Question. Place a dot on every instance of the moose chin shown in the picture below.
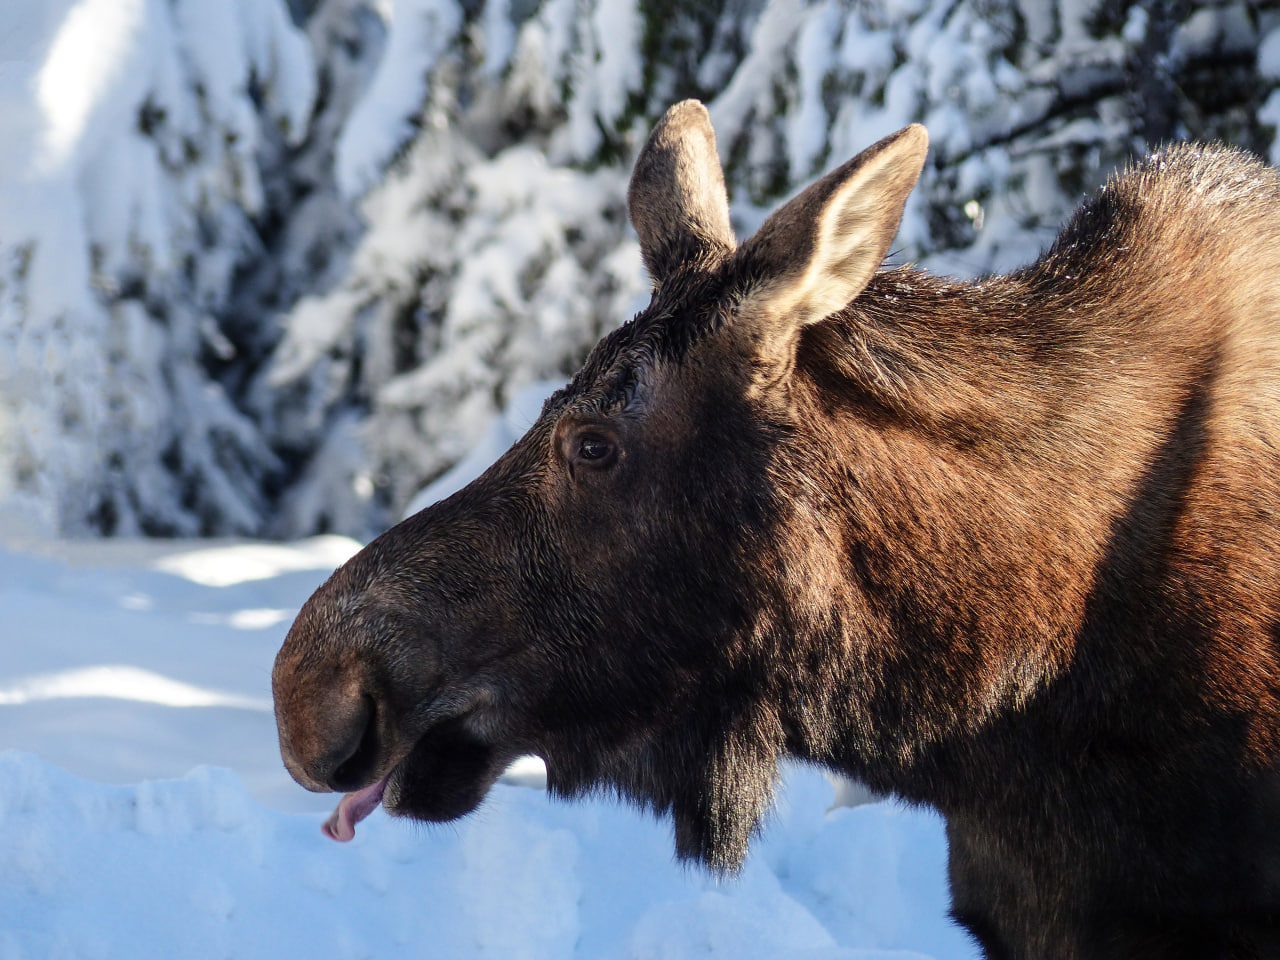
(1009, 548)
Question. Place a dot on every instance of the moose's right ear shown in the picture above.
(677, 199)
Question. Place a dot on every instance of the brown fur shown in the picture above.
(1007, 548)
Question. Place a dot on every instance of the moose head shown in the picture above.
(623, 591)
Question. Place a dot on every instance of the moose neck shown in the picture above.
(985, 477)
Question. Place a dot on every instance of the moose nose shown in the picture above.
(329, 733)
(350, 762)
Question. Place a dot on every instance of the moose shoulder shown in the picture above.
(1009, 548)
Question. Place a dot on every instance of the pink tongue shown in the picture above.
(353, 808)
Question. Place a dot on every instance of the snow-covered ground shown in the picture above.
(144, 811)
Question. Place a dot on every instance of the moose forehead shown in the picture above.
(690, 306)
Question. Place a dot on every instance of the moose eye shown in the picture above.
(587, 446)
(595, 450)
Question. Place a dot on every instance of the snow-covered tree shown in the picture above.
(146, 133)
(263, 274)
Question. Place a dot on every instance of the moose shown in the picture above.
(1008, 548)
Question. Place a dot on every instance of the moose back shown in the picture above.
(1009, 548)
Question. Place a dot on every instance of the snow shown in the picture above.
(617, 72)
(752, 87)
(77, 75)
(1270, 113)
(226, 566)
(1269, 55)
(1227, 29)
(525, 406)
(132, 163)
(245, 261)
(194, 868)
(808, 121)
(499, 37)
(604, 68)
(129, 683)
(418, 32)
(144, 811)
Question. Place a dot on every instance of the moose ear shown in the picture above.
(819, 250)
(677, 198)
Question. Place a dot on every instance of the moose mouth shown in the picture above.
(446, 775)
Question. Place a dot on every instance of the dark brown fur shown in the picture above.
(1007, 548)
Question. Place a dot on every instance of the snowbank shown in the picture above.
(195, 868)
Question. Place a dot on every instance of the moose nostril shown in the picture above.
(354, 766)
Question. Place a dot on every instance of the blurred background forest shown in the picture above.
(269, 266)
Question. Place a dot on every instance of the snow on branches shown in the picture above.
(271, 275)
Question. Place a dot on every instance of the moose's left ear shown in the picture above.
(819, 250)
(677, 198)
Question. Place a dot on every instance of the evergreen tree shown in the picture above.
(130, 203)
(275, 274)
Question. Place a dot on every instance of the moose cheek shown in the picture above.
(446, 775)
